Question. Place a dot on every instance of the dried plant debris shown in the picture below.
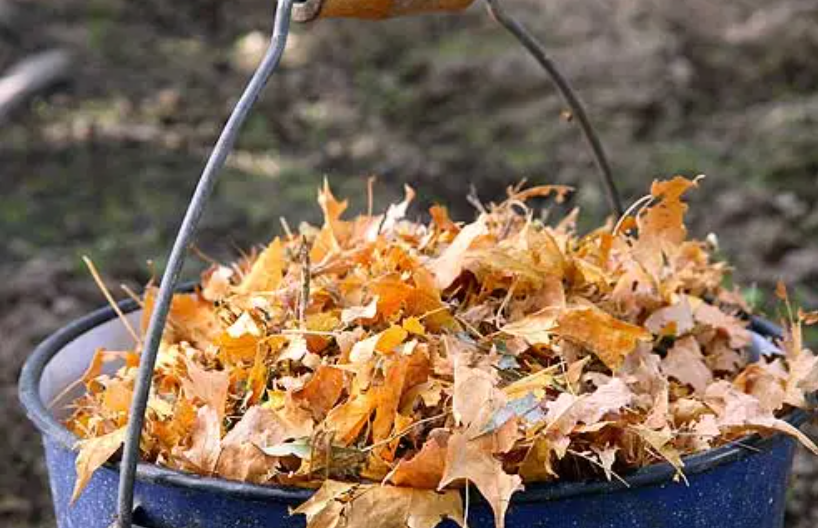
(390, 362)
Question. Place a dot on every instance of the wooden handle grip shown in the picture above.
(374, 9)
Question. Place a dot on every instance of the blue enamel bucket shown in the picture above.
(736, 486)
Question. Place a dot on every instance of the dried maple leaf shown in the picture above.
(205, 440)
(242, 456)
(737, 410)
(341, 505)
(734, 328)
(536, 329)
(684, 361)
(674, 320)
(425, 469)
(607, 337)
(348, 419)
(320, 394)
(210, 386)
(266, 273)
(447, 267)
(94, 452)
(350, 315)
(473, 460)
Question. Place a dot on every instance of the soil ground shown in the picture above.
(104, 164)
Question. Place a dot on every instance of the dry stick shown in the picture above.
(404, 431)
(132, 294)
(304, 301)
(537, 50)
(202, 255)
(597, 463)
(370, 197)
(286, 227)
(638, 204)
(466, 507)
(108, 297)
(474, 200)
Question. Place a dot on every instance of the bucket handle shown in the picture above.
(207, 181)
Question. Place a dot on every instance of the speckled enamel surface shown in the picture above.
(747, 493)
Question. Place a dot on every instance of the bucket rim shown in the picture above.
(52, 429)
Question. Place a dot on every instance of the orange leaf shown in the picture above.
(348, 420)
(322, 391)
(266, 272)
(425, 469)
(607, 337)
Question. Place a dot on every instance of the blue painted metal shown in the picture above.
(741, 485)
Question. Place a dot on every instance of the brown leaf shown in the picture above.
(364, 506)
(205, 444)
(93, 453)
(567, 410)
(733, 328)
(662, 227)
(241, 456)
(352, 314)
(674, 320)
(684, 361)
(348, 420)
(537, 464)
(765, 381)
(740, 411)
(209, 386)
(472, 460)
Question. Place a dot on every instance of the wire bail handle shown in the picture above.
(302, 10)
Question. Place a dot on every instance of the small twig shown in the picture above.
(537, 50)
(108, 297)
(404, 431)
(202, 255)
(370, 195)
(505, 302)
(132, 294)
(466, 507)
(598, 464)
(638, 204)
(286, 227)
(304, 301)
(474, 200)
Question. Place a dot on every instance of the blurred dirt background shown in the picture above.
(104, 164)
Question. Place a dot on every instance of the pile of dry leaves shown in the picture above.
(379, 350)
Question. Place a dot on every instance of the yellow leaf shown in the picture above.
(414, 326)
(267, 270)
